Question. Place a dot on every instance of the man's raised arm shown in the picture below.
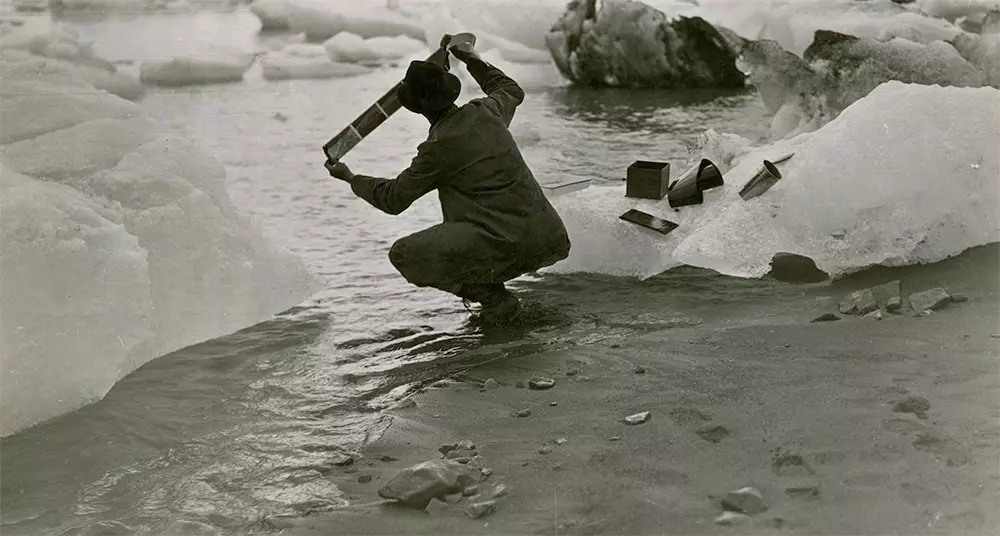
(503, 93)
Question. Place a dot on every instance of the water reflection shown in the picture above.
(631, 110)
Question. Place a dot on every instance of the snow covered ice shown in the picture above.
(297, 61)
(38, 45)
(514, 29)
(195, 70)
(908, 174)
(792, 23)
(352, 48)
(118, 245)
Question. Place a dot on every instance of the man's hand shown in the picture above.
(463, 52)
(339, 170)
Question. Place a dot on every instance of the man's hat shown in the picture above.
(428, 88)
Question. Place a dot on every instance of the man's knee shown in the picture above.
(396, 254)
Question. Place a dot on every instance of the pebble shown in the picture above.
(573, 372)
(640, 370)
(343, 460)
(519, 384)
(553, 404)
(460, 453)
(541, 383)
(469, 491)
(874, 315)
(828, 317)
(486, 471)
(893, 304)
(480, 509)
(524, 413)
(803, 492)
(916, 405)
(364, 479)
(614, 438)
(466, 444)
(959, 298)
(920, 314)
(712, 433)
(491, 384)
(446, 448)
(728, 519)
(746, 500)
(561, 441)
(637, 418)
(583, 378)
(545, 450)
(351, 470)
(388, 459)
(500, 490)
(839, 233)
(789, 464)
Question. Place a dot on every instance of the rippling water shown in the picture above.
(223, 435)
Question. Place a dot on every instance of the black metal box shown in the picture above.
(647, 180)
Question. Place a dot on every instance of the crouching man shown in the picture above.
(498, 223)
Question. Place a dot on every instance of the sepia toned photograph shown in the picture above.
(499, 267)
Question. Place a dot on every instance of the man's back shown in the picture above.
(489, 183)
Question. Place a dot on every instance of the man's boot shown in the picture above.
(500, 307)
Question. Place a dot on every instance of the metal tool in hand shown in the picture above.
(388, 104)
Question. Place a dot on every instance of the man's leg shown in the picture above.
(453, 257)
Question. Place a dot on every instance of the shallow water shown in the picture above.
(222, 435)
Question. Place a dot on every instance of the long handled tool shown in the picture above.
(388, 104)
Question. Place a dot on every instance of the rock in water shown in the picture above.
(745, 500)
(932, 299)
(415, 486)
(629, 44)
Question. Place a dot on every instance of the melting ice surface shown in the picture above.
(894, 180)
(119, 244)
